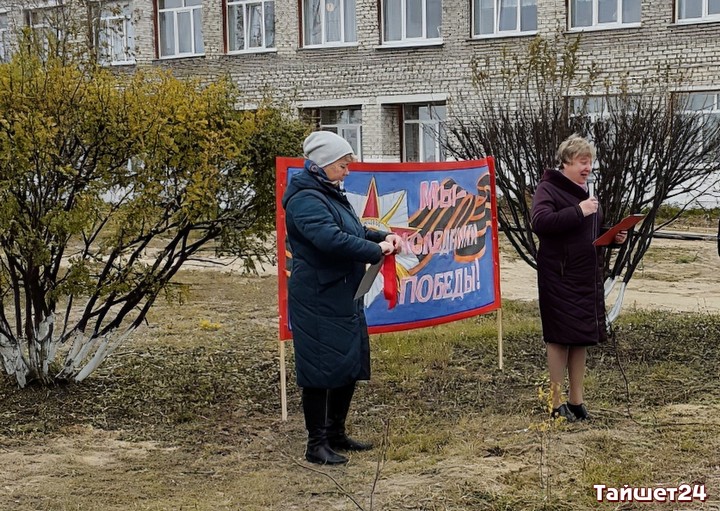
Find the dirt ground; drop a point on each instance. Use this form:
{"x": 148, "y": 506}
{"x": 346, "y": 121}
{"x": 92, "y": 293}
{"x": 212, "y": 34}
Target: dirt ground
{"x": 242, "y": 457}
{"x": 676, "y": 275}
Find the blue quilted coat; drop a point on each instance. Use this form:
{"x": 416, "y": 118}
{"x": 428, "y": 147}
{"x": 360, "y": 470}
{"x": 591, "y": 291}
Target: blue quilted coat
{"x": 330, "y": 248}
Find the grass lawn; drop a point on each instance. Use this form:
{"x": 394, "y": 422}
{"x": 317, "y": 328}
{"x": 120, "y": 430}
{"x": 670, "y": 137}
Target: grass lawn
{"x": 186, "y": 416}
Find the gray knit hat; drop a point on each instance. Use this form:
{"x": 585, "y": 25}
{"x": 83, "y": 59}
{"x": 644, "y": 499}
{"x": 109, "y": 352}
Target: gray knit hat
{"x": 325, "y": 147}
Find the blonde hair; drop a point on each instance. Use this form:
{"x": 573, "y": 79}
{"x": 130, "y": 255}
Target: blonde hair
{"x": 573, "y": 147}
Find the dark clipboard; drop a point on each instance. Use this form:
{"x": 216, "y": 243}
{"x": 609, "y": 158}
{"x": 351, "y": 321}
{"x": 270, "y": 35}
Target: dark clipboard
{"x": 623, "y": 225}
{"x": 368, "y": 279}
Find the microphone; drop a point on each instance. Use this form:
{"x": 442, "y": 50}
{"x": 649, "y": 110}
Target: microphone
{"x": 591, "y": 185}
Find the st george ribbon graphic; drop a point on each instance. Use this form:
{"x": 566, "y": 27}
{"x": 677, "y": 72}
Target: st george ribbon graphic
{"x": 461, "y": 226}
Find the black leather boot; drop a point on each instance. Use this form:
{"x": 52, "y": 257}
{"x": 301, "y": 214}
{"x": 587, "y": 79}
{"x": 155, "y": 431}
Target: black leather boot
{"x": 315, "y": 406}
{"x": 563, "y": 411}
{"x": 339, "y": 404}
{"x": 579, "y": 411}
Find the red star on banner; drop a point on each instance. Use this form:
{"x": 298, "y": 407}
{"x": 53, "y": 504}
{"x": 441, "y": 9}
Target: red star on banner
{"x": 377, "y": 219}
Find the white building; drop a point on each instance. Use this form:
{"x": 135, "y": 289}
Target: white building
{"x": 380, "y": 71}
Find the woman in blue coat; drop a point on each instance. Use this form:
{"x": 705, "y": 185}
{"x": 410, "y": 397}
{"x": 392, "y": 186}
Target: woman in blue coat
{"x": 330, "y": 248}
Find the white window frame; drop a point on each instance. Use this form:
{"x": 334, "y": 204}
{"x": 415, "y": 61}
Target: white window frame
{"x": 5, "y": 38}
{"x": 709, "y": 110}
{"x": 345, "y": 11}
{"x": 404, "y": 40}
{"x": 176, "y": 42}
{"x": 109, "y": 12}
{"x": 243, "y": 7}
{"x": 343, "y": 128}
{"x": 497, "y": 4}
{"x": 599, "y": 106}
{"x": 595, "y": 25}
{"x": 592, "y": 113}
{"x": 435, "y": 124}
{"x": 43, "y": 24}
{"x": 705, "y": 16}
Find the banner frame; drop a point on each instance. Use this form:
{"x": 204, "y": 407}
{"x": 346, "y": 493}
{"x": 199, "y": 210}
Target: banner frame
{"x": 281, "y": 168}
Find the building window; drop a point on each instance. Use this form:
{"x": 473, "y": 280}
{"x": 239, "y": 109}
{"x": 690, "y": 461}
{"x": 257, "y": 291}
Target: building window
{"x": 586, "y": 14}
{"x": 411, "y": 21}
{"x": 611, "y": 111}
{"x": 705, "y": 106}
{"x": 591, "y": 108}
{"x": 424, "y": 132}
{"x": 115, "y": 36}
{"x": 251, "y": 25}
{"x": 504, "y": 17}
{"x": 180, "y": 28}
{"x": 698, "y": 10}
{"x": 44, "y": 25}
{"x": 345, "y": 121}
{"x": 328, "y": 22}
{"x": 4, "y": 37}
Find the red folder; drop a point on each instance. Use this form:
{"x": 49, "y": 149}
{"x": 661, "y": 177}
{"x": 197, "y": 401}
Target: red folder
{"x": 622, "y": 225}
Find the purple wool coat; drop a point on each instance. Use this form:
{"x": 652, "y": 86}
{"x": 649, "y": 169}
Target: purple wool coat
{"x": 570, "y": 275}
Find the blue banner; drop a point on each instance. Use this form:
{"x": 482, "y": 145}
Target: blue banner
{"x": 445, "y": 214}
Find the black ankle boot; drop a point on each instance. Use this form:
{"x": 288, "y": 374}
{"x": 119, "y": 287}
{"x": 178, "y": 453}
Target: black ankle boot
{"x": 322, "y": 454}
{"x": 345, "y": 443}
{"x": 318, "y": 450}
{"x": 579, "y": 411}
{"x": 338, "y": 405}
{"x": 563, "y": 411}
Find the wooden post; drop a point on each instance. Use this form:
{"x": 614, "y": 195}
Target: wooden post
{"x": 500, "y": 338}
{"x": 283, "y": 383}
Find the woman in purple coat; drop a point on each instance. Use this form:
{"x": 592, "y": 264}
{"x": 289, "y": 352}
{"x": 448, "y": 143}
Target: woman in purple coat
{"x": 566, "y": 219}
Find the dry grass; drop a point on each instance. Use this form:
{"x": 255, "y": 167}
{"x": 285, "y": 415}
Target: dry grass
{"x": 186, "y": 417}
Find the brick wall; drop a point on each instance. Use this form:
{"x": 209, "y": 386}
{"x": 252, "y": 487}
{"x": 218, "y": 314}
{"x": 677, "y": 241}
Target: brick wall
{"x": 362, "y": 73}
